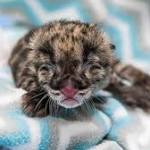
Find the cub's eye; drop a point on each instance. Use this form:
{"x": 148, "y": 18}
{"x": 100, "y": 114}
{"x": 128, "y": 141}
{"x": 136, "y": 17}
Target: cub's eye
{"x": 45, "y": 67}
{"x": 95, "y": 67}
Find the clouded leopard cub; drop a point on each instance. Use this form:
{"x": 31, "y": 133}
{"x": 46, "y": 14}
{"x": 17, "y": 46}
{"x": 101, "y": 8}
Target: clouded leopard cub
{"x": 64, "y": 63}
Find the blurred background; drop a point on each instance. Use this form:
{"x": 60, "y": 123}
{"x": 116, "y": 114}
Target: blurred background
{"x": 127, "y": 22}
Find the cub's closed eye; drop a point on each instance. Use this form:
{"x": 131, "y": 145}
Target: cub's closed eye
{"x": 45, "y": 67}
{"x": 96, "y": 66}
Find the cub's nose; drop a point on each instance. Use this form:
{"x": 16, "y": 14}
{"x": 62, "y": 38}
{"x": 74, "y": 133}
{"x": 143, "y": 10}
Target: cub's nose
{"x": 69, "y": 91}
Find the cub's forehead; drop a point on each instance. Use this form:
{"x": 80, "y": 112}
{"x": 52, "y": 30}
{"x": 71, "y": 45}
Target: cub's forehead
{"x": 66, "y": 33}
{"x": 72, "y": 39}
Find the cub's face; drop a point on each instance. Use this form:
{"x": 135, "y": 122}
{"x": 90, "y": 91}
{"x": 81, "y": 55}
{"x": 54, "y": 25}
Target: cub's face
{"x": 72, "y": 60}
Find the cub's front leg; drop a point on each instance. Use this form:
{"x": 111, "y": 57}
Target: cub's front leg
{"x": 36, "y": 103}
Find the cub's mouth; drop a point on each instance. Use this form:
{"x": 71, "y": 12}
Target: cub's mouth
{"x": 68, "y": 96}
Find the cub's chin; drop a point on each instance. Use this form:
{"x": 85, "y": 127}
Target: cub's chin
{"x": 70, "y": 103}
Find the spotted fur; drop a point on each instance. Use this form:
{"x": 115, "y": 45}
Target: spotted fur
{"x": 63, "y": 51}
{"x": 130, "y": 85}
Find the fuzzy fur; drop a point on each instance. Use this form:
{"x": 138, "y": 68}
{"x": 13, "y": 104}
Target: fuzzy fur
{"x": 51, "y": 55}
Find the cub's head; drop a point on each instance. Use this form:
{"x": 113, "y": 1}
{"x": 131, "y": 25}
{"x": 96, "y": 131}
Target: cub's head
{"x": 73, "y": 60}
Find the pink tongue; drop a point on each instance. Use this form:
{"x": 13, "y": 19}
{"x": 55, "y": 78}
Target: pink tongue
{"x": 69, "y": 91}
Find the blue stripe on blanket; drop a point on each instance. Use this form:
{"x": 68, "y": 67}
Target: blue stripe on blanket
{"x": 118, "y": 127}
{"x": 84, "y": 145}
{"x": 21, "y": 134}
{"x": 101, "y": 118}
{"x": 45, "y": 130}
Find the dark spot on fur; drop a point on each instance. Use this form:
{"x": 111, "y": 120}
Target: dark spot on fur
{"x": 48, "y": 49}
{"x": 55, "y": 36}
{"x": 87, "y": 49}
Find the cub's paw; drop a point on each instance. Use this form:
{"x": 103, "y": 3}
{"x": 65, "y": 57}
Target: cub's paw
{"x": 35, "y": 104}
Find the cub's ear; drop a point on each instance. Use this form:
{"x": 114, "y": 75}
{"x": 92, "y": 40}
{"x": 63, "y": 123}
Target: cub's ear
{"x": 112, "y": 46}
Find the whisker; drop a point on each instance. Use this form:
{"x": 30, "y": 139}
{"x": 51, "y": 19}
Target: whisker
{"x": 27, "y": 104}
{"x": 100, "y": 99}
{"x": 37, "y": 95}
{"x": 50, "y": 105}
{"x": 82, "y": 108}
{"x": 38, "y": 104}
{"x": 90, "y": 107}
{"x": 57, "y": 109}
{"x": 87, "y": 107}
{"x": 46, "y": 106}
{"x": 52, "y": 108}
